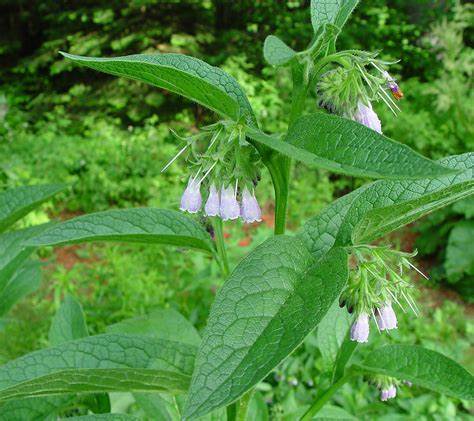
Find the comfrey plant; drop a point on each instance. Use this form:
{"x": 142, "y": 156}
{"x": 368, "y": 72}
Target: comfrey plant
{"x": 283, "y": 289}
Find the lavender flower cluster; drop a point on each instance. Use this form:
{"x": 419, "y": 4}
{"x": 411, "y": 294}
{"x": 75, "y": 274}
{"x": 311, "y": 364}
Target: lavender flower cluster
{"x": 223, "y": 203}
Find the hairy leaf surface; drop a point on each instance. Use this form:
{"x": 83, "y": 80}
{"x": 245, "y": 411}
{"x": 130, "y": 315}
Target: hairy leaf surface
{"x": 181, "y": 74}
{"x": 100, "y": 363}
{"x": 331, "y": 11}
{"x": 422, "y": 367}
{"x": 270, "y": 303}
{"x": 142, "y": 225}
{"x": 276, "y": 52}
{"x": 68, "y": 323}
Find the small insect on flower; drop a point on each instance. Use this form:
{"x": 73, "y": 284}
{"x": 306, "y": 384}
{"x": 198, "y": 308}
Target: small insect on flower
{"x": 360, "y": 329}
{"x": 393, "y": 86}
{"x": 389, "y": 393}
{"x": 191, "y": 200}
{"x": 250, "y": 209}
{"x": 368, "y": 117}
{"x": 212, "y": 207}
{"x": 229, "y": 207}
{"x": 386, "y": 318}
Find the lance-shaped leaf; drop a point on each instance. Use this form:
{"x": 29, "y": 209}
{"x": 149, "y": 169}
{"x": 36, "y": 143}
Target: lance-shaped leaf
{"x": 16, "y": 203}
{"x": 143, "y": 225}
{"x": 68, "y": 323}
{"x": 331, "y": 11}
{"x": 13, "y": 252}
{"x": 347, "y": 220}
{"x": 102, "y": 363}
{"x": 276, "y": 52}
{"x": 422, "y": 367}
{"x": 187, "y": 76}
{"x": 274, "y": 298}
{"x": 344, "y": 146}
{"x": 25, "y": 281}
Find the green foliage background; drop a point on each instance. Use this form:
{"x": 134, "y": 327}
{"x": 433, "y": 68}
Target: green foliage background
{"x": 109, "y": 138}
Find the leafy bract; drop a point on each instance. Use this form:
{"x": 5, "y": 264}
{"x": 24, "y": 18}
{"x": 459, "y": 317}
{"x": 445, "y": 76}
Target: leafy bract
{"x": 100, "y": 363}
{"x": 162, "y": 324}
{"x": 181, "y": 74}
{"x": 331, "y": 11}
{"x": 348, "y": 219}
{"x": 344, "y": 146}
{"x": 143, "y": 225}
{"x": 69, "y": 322}
{"x": 422, "y": 367}
{"x": 276, "y": 52}
{"x": 270, "y": 303}
{"x": 16, "y": 203}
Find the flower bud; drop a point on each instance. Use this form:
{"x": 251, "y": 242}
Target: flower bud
{"x": 360, "y": 328}
{"x": 191, "y": 200}
{"x": 386, "y": 318}
{"x": 250, "y": 209}
{"x": 229, "y": 207}
{"x": 393, "y": 86}
{"x": 212, "y": 207}
{"x": 366, "y": 115}
{"x": 389, "y": 393}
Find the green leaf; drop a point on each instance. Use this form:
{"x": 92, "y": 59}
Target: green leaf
{"x": 344, "y": 146}
{"x": 106, "y": 417}
{"x": 422, "y": 367}
{"x": 35, "y": 409}
{"x": 69, "y": 322}
{"x": 347, "y": 220}
{"x": 102, "y": 363}
{"x": 331, "y": 11}
{"x": 276, "y": 52}
{"x": 183, "y": 75}
{"x": 330, "y": 413}
{"x": 270, "y": 303}
{"x": 13, "y": 252}
{"x": 162, "y": 324}
{"x": 157, "y": 406}
{"x": 25, "y": 281}
{"x": 459, "y": 261}
{"x": 143, "y": 225}
{"x": 16, "y": 203}
{"x": 331, "y": 332}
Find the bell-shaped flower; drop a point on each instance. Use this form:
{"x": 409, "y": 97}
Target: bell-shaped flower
{"x": 250, "y": 209}
{"x": 360, "y": 328}
{"x": 386, "y": 318}
{"x": 229, "y": 206}
{"x": 388, "y": 393}
{"x": 191, "y": 200}
{"x": 212, "y": 207}
{"x": 366, "y": 115}
{"x": 393, "y": 86}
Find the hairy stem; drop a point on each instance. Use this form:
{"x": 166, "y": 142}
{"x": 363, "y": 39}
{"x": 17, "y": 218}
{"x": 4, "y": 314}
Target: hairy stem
{"x": 343, "y": 356}
{"x": 220, "y": 245}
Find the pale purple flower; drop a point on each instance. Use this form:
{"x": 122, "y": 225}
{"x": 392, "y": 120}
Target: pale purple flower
{"x": 229, "y": 207}
{"x": 392, "y": 85}
{"x": 366, "y": 115}
{"x": 389, "y": 393}
{"x": 360, "y": 328}
{"x": 212, "y": 207}
{"x": 386, "y": 318}
{"x": 191, "y": 200}
{"x": 250, "y": 209}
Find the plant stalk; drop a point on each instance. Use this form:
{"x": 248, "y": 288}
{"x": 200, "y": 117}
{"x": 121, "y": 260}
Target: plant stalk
{"x": 220, "y": 246}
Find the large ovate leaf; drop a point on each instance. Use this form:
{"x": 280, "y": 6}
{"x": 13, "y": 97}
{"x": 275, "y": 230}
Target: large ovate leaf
{"x": 143, "y": 225}
{"x": 331, "y": 11}
{"x": 68, "y": 323}
{"x": 276, "y": 52}
{"x": 25, "y": 281}
{"x": 347, "y": 220}
{"x": 274, "y": 298}
{"x": 422, "y": 367}
{"x": 344, "y": 146}
{"x": 16, "y": 203}
{"x": 162, "y": 324}
{"x": 181, "y": 74}
{"x": 102, "y": 363}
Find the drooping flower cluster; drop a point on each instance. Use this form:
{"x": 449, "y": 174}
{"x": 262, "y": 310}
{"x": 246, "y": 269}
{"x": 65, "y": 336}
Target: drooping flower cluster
{"x": 387, "y": 386}
{"x": 224, "y": 161}
{"x": 358, "y": 80}
{"x": 376, "y": 284}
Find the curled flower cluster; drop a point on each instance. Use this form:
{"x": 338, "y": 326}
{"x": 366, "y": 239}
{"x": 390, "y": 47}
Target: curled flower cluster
{"x": 387, "y": 386}
{"x": 225, "y": 158}
{"x": 375, "y": 285}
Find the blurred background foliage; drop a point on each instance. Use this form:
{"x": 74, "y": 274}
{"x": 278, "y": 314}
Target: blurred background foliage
{"x": 109, "y": 138}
